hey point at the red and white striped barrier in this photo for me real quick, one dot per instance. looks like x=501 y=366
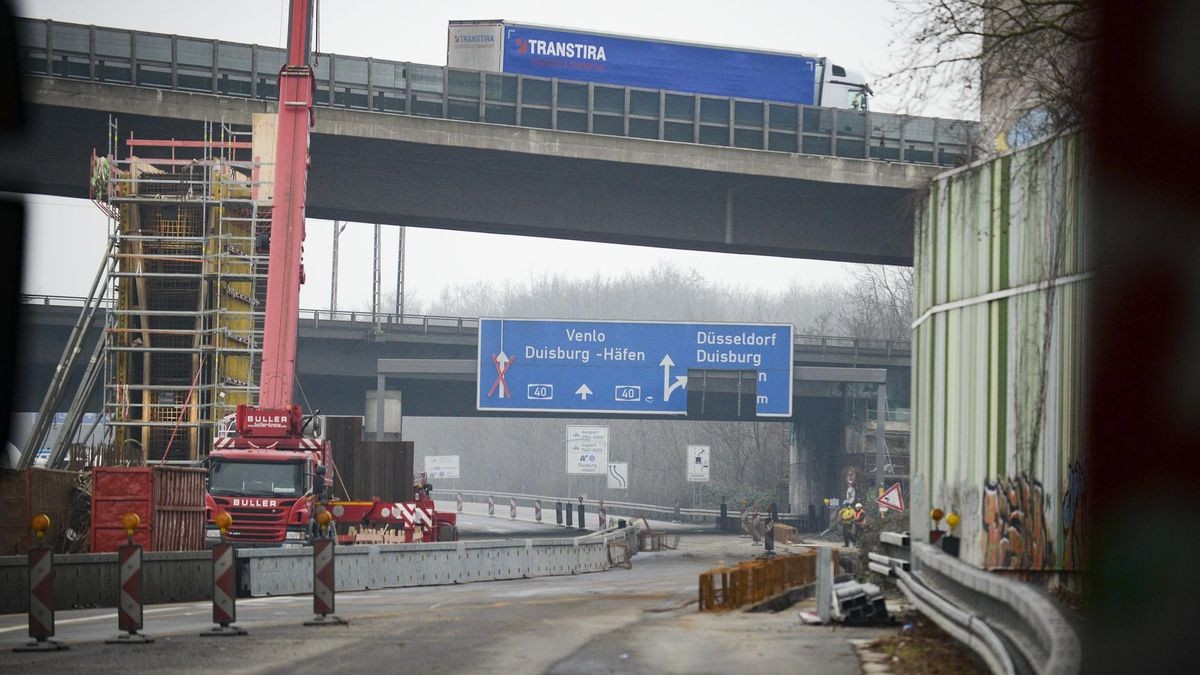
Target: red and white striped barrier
x=129 y=602
x=410 y=515
x=41 y=603
x=512 y=508
x=458 y=501
x=224 y=592
x=537 y=510
x=491 y=505
x=324 y=585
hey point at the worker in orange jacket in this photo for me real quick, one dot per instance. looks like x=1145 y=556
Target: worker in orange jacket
x=860 y=520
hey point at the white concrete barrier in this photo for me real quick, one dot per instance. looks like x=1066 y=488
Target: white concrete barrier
x=90 y=579
x=372 y=566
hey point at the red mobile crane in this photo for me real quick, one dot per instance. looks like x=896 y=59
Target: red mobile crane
x=272 y=472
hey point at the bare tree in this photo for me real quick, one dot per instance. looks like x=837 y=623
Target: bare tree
x=879 y=303
x=1027 y=59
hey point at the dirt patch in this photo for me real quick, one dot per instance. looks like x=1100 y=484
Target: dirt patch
x=921 y=648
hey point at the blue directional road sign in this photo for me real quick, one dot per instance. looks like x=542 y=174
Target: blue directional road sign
x=624 y=367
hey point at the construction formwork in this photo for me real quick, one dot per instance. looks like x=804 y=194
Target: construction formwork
x=189 y=222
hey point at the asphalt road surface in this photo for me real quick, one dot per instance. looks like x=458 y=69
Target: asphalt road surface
x=642 y=620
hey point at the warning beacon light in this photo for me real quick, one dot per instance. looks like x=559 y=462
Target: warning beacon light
x=223 y=521
x=130 y=522
x=39 y=525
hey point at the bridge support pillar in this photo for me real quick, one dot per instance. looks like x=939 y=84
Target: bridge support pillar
x=815 y=456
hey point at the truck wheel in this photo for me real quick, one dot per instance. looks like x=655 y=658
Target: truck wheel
x=447 y=533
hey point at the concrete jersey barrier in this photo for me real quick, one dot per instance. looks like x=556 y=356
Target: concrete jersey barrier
x=90 y=580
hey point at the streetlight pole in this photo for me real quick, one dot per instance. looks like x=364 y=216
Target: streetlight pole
x=338 y=227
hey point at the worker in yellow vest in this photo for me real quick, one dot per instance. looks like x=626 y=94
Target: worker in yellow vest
x=847 y=517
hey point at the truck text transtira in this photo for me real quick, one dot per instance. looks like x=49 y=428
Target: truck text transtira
x=649 y=63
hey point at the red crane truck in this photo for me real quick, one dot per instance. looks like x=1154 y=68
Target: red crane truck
x=272 y=472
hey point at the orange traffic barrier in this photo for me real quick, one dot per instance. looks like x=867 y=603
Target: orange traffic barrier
x=753 y=581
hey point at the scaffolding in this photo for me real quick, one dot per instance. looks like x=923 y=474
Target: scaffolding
x=190 y=223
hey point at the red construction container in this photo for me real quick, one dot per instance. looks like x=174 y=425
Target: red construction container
x=169 y=501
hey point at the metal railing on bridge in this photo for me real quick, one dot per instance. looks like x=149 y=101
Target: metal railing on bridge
x=387 y=321
x=119 y=56
x=824 y=345
x=690 y=515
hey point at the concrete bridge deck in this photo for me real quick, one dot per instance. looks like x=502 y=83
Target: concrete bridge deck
x=759 y=177
x=338 y=353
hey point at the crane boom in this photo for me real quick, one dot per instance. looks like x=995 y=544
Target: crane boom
x=274 y=445
x=286 y=271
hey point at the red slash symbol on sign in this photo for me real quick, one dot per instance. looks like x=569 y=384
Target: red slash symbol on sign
x=501 y=362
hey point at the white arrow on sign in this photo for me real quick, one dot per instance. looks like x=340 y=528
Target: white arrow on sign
x=501 y=362
x=680 y=380
x=583 y=391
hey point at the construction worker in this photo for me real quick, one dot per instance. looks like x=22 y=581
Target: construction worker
x=860 y=520
x=846 y=515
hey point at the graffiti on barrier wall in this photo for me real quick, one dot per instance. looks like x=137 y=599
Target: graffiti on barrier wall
x=1072 y=517
x=1014 y=525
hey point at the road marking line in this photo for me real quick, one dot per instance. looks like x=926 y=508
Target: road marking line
x=109 y=617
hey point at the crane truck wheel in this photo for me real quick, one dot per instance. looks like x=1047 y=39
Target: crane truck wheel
x=448 y=533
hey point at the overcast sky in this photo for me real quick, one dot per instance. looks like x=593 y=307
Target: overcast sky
x=67 y=235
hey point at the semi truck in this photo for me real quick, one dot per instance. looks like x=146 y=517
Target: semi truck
x=273 y=471
x=630 y=61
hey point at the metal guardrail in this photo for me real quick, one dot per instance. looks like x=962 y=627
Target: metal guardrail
x=963 y=626
x=424 y=323
x=59 y=300
x=1029 y=620
x=1011 y=626
x=457 y=325
x=632 y=509
x=128 y=57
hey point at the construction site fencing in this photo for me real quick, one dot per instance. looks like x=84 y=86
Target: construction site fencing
x=138 y=58
x=753 y=581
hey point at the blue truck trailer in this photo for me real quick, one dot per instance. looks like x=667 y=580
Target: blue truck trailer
x=630 y=61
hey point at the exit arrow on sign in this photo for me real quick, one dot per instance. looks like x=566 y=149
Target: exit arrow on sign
x=583 y=391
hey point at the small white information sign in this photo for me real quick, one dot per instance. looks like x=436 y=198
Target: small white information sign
x=587 y=450
x=441 y=466
x=698 y=457
x=618 y=475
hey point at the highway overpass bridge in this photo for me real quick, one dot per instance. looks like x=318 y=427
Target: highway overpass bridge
x=429 y=146
x=338 y=353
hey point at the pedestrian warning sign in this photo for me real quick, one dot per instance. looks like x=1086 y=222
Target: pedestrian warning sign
x=891 y=499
